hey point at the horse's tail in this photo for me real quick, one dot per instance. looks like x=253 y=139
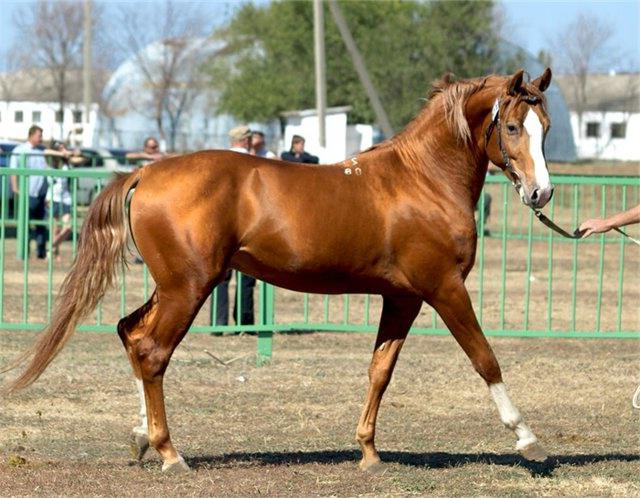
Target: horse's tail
x=101 y=250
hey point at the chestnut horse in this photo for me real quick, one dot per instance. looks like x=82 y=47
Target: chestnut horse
x=396 y=220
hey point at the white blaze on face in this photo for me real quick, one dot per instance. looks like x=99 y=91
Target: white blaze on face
x=534 y=129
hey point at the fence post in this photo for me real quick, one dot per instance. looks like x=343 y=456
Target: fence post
x=265 y=337
x=22 y=228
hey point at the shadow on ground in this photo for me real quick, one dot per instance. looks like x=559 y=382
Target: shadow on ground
x=435 y=460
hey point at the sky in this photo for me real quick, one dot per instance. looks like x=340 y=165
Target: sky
x=530 y=24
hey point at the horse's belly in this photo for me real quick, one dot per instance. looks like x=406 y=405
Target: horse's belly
x=322 y=279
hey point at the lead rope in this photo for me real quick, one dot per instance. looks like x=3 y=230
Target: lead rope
x=636 y=399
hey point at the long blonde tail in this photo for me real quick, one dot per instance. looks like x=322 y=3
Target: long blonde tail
x=101 y=251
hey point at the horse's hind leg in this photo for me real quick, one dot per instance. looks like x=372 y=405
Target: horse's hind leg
x=176 y=310
x=150 y=342
x=397 y=316
x=131 y=329
x=454 y=306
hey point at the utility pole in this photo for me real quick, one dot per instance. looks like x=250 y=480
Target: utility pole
x=358 y=63
x=86 y=60
x=321 y=86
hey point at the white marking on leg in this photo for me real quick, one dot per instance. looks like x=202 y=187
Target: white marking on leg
x=143 y=428
x=511 y=417
x=534 y=128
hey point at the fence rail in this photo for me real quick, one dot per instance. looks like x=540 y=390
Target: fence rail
x=527 y=281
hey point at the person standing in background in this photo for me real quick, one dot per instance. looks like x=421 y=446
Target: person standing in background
x=297 y=153
x=240 y=141
x=150 y=153
x=59 y=195
x=258 y=147
x=37 y=186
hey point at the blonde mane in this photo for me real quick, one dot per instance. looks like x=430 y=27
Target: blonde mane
x=454 y=95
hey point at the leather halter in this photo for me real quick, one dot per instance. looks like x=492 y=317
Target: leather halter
x=495 y=123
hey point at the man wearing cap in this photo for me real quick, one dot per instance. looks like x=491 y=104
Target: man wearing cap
x=240 y=139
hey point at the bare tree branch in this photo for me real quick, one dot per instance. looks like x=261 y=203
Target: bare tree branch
x=583 y=48
x=167 y=52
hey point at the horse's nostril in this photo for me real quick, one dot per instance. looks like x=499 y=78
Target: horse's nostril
x=535 y=195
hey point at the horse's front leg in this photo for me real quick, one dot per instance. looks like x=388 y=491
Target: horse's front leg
x=397 y=316
x=454 y=306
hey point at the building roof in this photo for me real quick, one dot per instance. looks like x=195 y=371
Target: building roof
x=37 y=85
x=605 y=92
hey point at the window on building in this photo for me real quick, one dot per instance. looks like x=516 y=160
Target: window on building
x=19 y=117
x=59 y=116
x=593 y=129
x=77 y=116
x=618 y=130
x=36 y=116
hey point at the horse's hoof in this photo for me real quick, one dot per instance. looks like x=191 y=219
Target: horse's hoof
x=374 y=467
x=177 y=467
x=139 y=445
x=534 y=452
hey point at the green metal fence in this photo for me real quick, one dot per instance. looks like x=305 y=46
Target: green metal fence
x=527 y=280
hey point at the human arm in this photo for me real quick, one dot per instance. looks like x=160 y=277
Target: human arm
x=145 y=156
x=57 y=153
x=139 y=155
x=601 y=225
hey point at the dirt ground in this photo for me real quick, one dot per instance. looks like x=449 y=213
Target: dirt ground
x=287 y=429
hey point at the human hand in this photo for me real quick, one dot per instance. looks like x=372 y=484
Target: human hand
x=595 y=225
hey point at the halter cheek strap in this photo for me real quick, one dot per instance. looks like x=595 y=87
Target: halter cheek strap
x=495 y=123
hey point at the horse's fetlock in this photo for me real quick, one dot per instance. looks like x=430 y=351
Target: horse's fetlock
x=512 y=421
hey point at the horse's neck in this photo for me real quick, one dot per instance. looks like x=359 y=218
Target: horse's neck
x=431 y=148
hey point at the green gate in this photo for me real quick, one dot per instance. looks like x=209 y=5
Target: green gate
x=527 y=280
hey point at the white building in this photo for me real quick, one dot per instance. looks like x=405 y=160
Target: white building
x=609 y=127
x=342 y=140
x=28 y=97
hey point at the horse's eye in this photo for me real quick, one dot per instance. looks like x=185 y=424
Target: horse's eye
x=512 y=129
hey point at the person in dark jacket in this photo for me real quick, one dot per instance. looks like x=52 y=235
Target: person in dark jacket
x=297 y=153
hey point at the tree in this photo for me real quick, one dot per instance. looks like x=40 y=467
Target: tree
x=51 y=39
x=405 y=46
x=167 y=45
x=583 y=48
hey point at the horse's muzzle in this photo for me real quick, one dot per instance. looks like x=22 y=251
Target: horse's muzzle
x=537 y=197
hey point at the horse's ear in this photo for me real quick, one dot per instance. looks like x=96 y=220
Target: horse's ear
x=515 y=83
x=543 y=81
x=448 y=78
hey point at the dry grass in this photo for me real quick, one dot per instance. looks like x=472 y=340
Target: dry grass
x=289 y=429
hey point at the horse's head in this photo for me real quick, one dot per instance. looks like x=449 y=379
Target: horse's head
x=515 y=136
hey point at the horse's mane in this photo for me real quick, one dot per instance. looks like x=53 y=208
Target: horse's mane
x=454 y=95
